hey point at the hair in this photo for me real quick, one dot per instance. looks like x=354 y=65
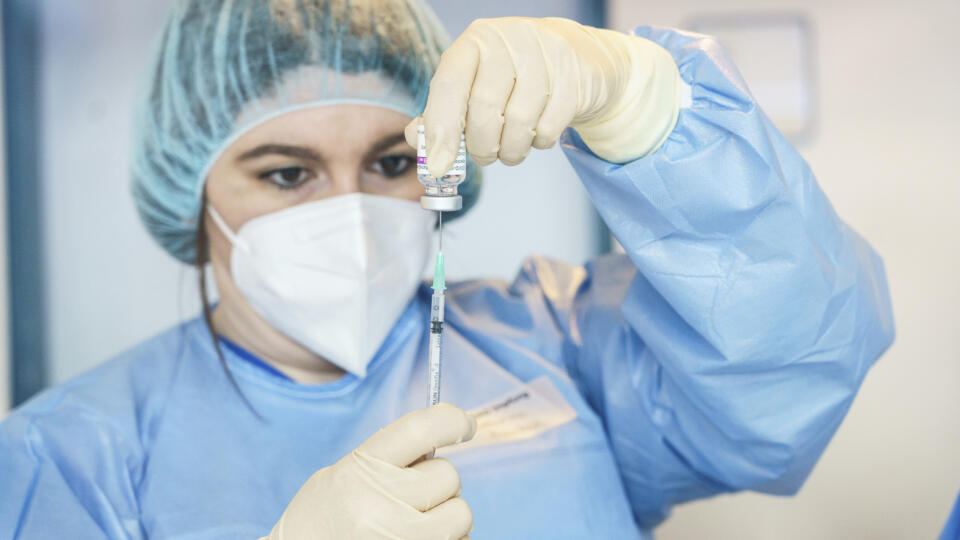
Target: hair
x=200 y=262
x=222 y=66
x=219 y=60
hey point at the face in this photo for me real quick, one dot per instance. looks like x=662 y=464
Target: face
x=299 y=157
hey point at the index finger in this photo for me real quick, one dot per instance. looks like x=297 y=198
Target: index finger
x=419 y=432
x=446 y=110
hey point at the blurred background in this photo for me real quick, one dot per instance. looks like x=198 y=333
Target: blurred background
x=866 y=91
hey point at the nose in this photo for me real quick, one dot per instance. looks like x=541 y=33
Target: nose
x=344 y=178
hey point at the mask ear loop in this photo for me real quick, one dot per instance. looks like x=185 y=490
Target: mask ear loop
x=222 y=225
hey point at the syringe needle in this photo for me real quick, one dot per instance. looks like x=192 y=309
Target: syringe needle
x=441 y=229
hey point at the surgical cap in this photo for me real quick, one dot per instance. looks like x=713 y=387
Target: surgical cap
x=226 y=66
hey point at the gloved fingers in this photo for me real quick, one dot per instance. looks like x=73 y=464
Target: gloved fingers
x=410 y=131
x=430 y=483
x=530 y=91
x=491 y=89
x=561 y=107
x=420 y=432
x=453 y=518
x=421 y=486
x=446 y=110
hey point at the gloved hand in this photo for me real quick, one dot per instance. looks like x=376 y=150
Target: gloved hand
x=374 y=492
x=516 y=82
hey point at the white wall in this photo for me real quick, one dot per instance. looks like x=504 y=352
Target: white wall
x=886 y=152
x=110 y=287
x=5 y=390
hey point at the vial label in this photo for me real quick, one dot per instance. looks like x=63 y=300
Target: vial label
x=459 y=169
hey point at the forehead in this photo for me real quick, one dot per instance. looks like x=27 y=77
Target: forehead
x=314 y=103
x=309 y=86
x=325 y=127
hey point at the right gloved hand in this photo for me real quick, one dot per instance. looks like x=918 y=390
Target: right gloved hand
x=515 y=83
x=375 y=492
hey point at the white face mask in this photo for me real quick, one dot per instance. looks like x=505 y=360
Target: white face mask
x=333 y=274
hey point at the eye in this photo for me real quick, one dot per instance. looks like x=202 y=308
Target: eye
x=288 y=177
x=392 y=166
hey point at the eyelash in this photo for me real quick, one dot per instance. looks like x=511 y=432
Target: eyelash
x=408 y=162
x=268 y=176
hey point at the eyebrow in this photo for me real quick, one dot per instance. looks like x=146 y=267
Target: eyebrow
x=303 y=152
x=385 y=143
x=281 y=149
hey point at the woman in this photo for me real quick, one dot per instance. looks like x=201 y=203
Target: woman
x=719 y=354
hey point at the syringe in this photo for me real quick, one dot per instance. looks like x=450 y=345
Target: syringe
x=440 y=195
x=436 y=321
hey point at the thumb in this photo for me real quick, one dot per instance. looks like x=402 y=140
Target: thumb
x=419 y=432
x=410 y=132
x=446 y=110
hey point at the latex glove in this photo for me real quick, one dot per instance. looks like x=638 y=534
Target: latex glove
x=515 y=83
x=375 y=492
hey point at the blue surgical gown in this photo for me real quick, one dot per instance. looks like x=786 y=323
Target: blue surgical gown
x=951 y=531
x=719 y=354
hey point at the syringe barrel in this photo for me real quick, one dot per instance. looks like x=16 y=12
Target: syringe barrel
x=434 y=368
x=436 y=306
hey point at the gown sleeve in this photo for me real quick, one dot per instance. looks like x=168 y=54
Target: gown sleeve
x=725 y=348
x=65 y=472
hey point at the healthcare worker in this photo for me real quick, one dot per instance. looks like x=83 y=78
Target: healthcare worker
x=720 y=353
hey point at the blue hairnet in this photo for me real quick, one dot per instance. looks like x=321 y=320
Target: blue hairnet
x=225 y=66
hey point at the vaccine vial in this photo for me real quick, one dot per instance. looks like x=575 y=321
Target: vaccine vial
x=441 y=193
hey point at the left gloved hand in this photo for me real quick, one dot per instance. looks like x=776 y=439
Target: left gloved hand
x=514 y=83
